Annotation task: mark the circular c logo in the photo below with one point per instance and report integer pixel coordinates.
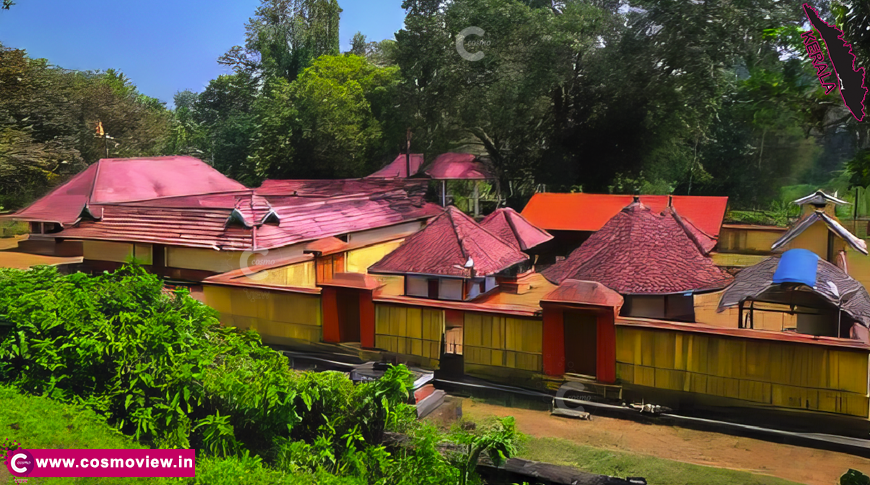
(460, 43)
(246, 267)
(573, 391)
(21, 463)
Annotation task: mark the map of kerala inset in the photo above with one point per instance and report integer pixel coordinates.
(849, 79)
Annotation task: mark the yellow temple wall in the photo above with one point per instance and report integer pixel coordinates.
(707, 303)
(117, 252)
(782, 374)
(412, 332)
(499, 346)
(278, 316)
(746, 239)
(300, 275)
(359, 260)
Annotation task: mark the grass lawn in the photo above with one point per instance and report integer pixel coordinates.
(40, 423)
(657, 471)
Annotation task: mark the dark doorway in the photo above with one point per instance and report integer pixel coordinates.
(158, 259)
(581, 342)
(348, 315)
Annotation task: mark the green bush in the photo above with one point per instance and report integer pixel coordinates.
(158, 366)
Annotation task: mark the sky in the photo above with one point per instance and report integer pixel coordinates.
(163, 46)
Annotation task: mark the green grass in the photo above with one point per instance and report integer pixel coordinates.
(40, 423)
(13, 228)
(657, 471)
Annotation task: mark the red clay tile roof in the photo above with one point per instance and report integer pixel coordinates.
(589, 212)
(457, 166)
(509, 225)
(398, 168)
(587, 293)
(448, 241)
(641, 252)
(116, 180)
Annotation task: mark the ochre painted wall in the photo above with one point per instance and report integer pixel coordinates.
(117, 252)
(815, 238)
(409, 330)
(503, 342)
(300, 275)
(359, 260)
(745, 240)
(707, 303)
(275, 315)
(782, 374)
(223, 261)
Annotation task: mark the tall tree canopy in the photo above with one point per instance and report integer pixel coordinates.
(47, 120)
(284, 36)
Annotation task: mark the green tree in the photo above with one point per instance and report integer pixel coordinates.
(326, 123)
(285, 36)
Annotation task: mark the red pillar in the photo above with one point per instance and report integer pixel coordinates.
(606, 354)
(329, 305)
(366, 320)
(554, 342)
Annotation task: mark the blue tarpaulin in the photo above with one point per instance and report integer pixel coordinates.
(797, 266)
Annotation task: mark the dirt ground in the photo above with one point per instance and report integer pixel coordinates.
(803, 465)
(10, 258)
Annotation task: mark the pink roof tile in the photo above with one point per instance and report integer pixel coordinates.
(512, 227)
(641, 252)
(457, 166)
(445, 245)
(117, 180)
(398, 168)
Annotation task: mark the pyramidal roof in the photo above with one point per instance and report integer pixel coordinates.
(639, 251)
(398, 168)
(123, 180)
(515, 229)
(445, 247)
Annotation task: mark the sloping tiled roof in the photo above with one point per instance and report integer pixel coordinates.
(457, 166)
(509, 225)
(201, 227)
(641, 252)
(808, 220)
(119, 180)
(752, 282)
(444, 247)
(584, 293)
(204, 222)
(589, 212)
(398, 168)
(335, 187)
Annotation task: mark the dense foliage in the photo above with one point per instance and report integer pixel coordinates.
(158, 366)
(47, 121)
(656, 96)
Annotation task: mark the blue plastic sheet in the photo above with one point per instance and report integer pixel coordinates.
(797, 266)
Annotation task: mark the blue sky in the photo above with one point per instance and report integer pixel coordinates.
(164, 46)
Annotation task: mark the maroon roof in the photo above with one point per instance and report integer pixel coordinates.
(457, 166)
(512, 227)
(398, 168)
(587, 293)
(641, 252)
(444, 247)
(115, 180)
